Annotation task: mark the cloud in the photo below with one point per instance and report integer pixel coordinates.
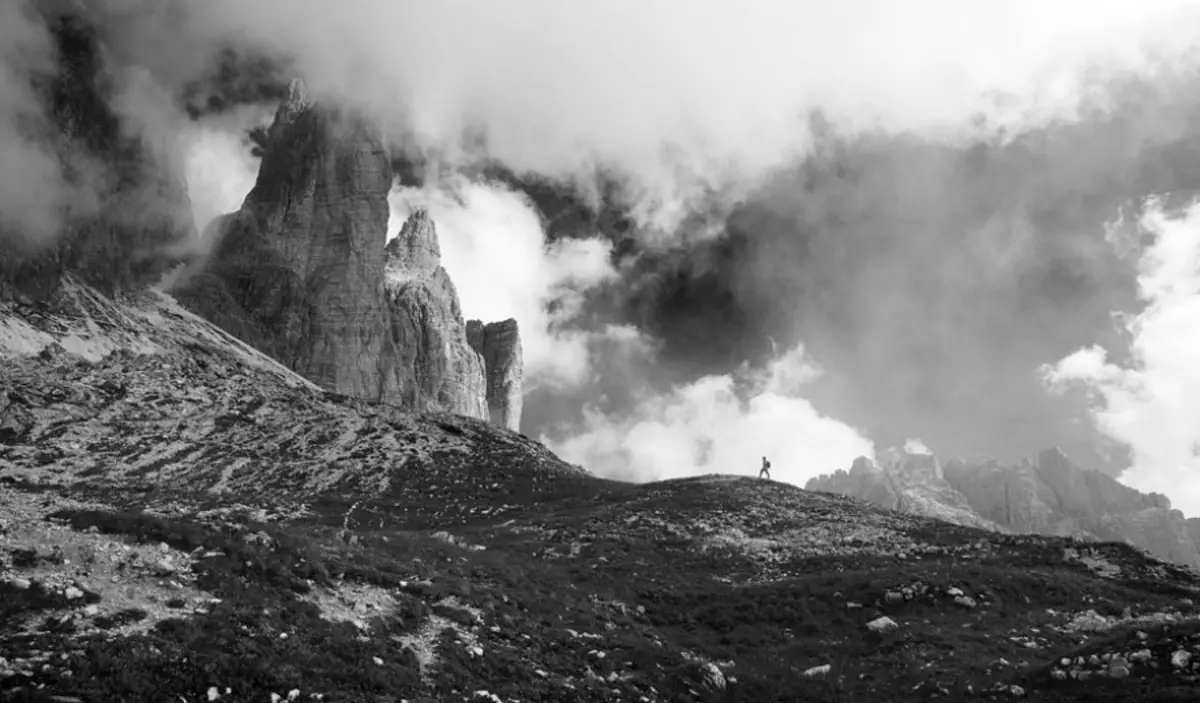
(1152, 402)
(218, 164)
(85, 134)
(718, 424)
(495, 250)
(687, 95)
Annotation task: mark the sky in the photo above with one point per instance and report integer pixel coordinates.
(925, 262)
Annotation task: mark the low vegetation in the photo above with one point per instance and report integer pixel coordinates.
(697, 590)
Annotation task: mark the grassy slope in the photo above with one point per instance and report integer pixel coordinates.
(610, 595)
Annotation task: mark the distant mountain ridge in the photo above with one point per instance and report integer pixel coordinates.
(1049, 494)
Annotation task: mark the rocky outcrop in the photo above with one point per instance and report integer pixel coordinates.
(499, 344)
(1008, 495)
(1050, 495)
(304, 272)
(910, 483)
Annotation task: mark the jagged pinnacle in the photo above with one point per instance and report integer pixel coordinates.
(416, 249)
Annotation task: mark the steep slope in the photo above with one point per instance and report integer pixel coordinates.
(1052, 496)
(304, 273)
(145, 393)
(183, 517)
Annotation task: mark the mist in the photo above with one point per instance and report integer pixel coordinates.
(686, 98)
(32, 189)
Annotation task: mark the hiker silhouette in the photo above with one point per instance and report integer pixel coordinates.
(766, 469)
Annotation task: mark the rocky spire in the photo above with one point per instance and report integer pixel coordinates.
(415, 252)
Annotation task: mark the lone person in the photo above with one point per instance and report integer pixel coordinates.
(766, 469)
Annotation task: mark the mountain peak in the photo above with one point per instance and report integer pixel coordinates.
(415, 251)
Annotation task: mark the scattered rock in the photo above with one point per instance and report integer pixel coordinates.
(882, 624)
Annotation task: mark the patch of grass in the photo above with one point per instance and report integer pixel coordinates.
(259, 638)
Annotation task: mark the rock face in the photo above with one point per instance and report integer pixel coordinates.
(304, 272)
(499, 344)
(428, 332)
(909, 483)
(1050, 495)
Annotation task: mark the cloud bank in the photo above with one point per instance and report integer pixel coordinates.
(1152, 403)
(32, 192)
(688, 97)
(720, 424)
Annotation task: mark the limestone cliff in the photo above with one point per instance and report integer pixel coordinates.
(910, 483)
(304, 272)
(1050, 495)
(499, 344)
(428, 332)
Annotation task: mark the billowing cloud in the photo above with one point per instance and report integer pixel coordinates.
(719, 424)
(219, 167)
(1151, 403)
(687, 95)
(32, 190)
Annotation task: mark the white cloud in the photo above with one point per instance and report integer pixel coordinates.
(495, 250)
(218, 166)
(687, 93)
(719, 424)
(1152, 403)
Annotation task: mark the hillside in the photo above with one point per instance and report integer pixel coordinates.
(182, 518)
